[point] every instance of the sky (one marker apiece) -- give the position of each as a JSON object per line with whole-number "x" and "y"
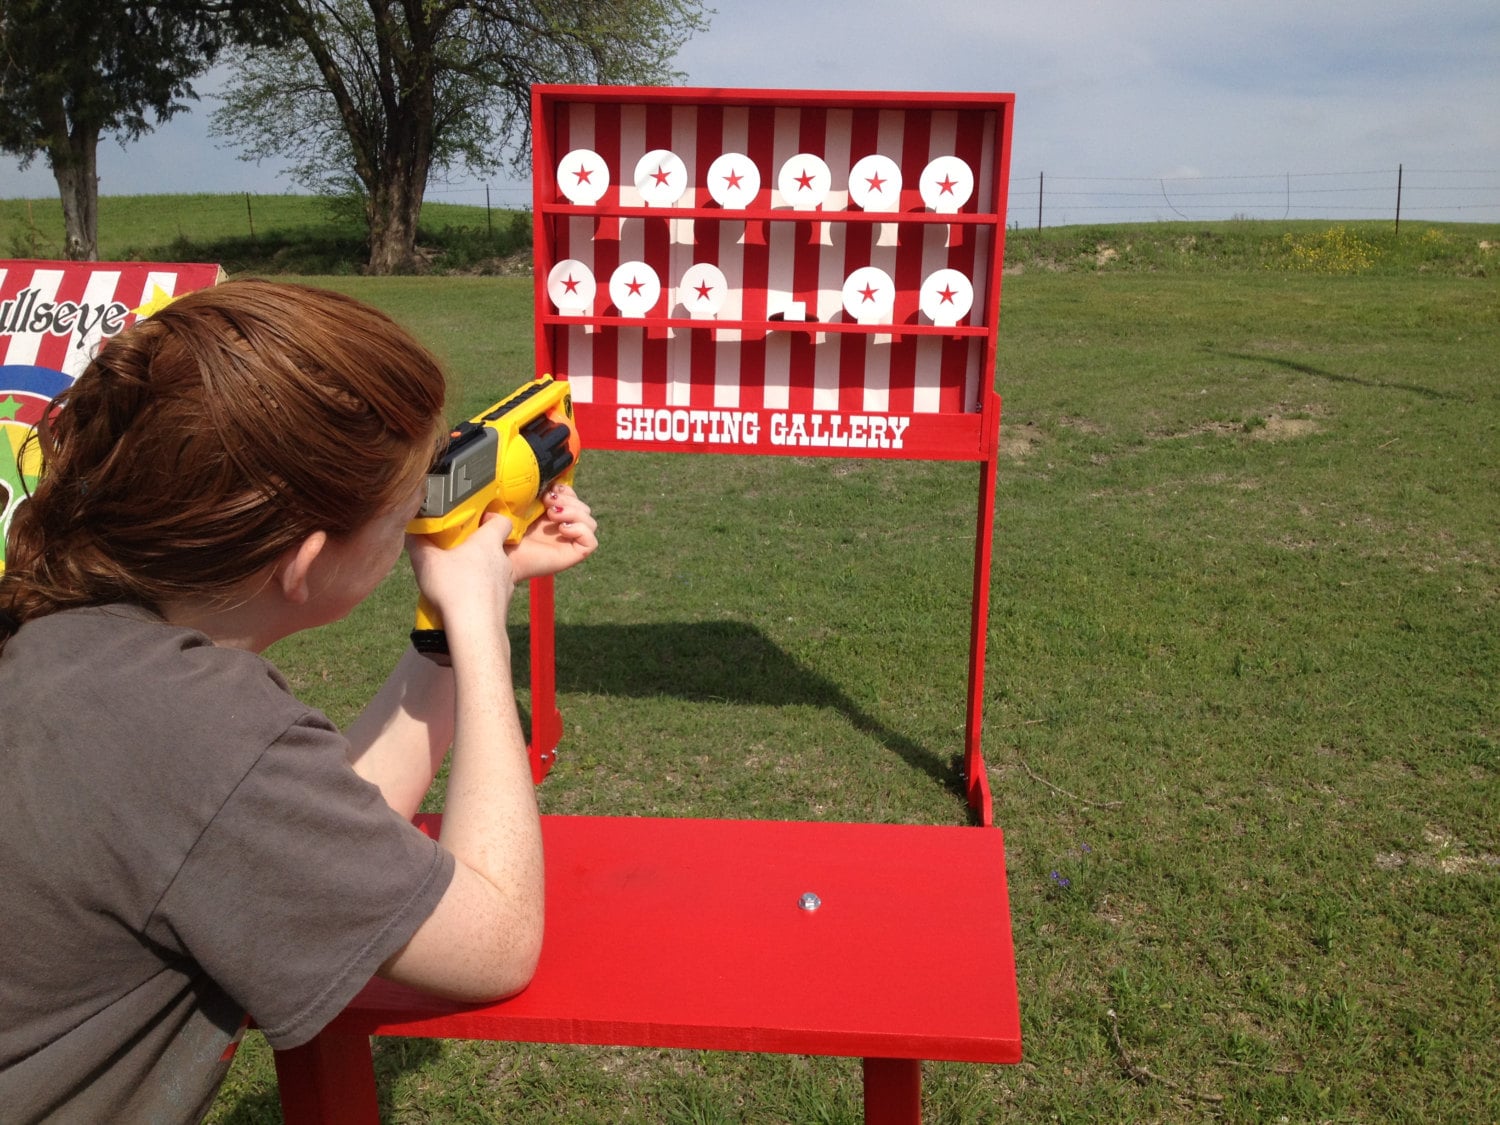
{"x": 1132, "y": 110}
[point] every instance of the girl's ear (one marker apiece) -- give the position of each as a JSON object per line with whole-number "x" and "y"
{"x": 296, "y": 565}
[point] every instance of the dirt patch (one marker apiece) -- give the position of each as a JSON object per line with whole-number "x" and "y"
{"x": 1271, "y": 427}
{"x": 1441, "y": 852}
{"x": 1082, "y": 425}
{"x": 1284, "y": 429}
{"x": 1019, "y": 442}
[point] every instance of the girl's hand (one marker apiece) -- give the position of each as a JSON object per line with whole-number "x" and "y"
{"x": 474, "y": 577}
{"x": 561, "y": 537}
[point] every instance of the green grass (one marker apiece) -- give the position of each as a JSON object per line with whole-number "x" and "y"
{"x": 311, "y": 235}
{"x": 1240, "y": 720}
{"x": 263, "y": 234}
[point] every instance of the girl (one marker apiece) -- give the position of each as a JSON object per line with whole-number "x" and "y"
{"x": 182, "y": 842}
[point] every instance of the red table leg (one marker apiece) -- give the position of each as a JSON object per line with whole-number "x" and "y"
{"x": 329, "y": 1081}
{"x": 893, "y": 1092}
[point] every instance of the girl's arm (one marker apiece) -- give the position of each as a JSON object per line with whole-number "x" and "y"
{"x": 399, "y": 740}
{"x": 484, "y": 937}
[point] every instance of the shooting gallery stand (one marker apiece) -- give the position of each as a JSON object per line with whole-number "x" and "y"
{"x": 804, "y": 273}
{"x": 700, "y": 934}
{"x": 885, "y": 942}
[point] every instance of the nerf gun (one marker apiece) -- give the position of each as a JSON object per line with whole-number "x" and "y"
{"x": 503, "y": 460}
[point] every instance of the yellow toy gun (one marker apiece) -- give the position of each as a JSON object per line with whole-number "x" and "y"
{"x": 503, "y": 460}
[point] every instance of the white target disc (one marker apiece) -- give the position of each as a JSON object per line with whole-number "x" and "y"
{"x": 583, "y": 177}
{"x": 634, "y": 288}
{"x": 946, "y": 297}
{"x": 804, "y": 181}
{"x": 660, "y": 177}
{"x": 869, "y": 295}
{"x": 571, "y": 286}
{"x": 733, "y": 181}
{"x": 703, "y": 289}
{"x": 875, "y": 184}
{"x": 946, "y": 184}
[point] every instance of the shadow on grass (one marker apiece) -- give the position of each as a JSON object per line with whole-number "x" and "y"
{"x": 392, "y": 1058}
{"x": 715, "y": 662}
{"x": 1332, "y": 376}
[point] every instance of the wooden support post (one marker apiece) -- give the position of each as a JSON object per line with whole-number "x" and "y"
{"x": 329, "y": 1081}
{"x": 893, "y": 1091}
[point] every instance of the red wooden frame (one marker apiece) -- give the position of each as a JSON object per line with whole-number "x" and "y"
{"x": 754, "y": 379}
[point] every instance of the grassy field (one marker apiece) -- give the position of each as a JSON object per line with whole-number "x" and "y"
{"x": 310, "y": 235}
{"x": 1242, "y": 722}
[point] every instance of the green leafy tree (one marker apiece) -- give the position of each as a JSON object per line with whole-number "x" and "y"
{"x": 72, "y": 71}
{"x": 372, "y": 98}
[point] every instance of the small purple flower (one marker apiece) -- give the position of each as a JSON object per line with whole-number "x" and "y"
{"x": 1061, "y": 880}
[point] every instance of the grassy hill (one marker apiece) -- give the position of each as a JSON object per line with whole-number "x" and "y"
{"x": 310, "y": 235}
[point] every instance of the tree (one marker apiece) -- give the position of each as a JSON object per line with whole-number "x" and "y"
{"x": 371, "y": 98}
{"x": 73, "y": 70}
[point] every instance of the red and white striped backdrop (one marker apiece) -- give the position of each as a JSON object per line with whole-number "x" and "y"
{"x": 770, "y": 263}
{"x": 111, "y": 291}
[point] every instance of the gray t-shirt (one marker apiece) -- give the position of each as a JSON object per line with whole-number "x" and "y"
{"x": 181, "y": 842}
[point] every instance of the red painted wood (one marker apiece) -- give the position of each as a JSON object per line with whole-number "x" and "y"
{"x": 546, "y": 719}
{"x": 893, "y": 1091}
{"x": 329, "y": 1081}
{"x": 748, "y": 384}
{"x": 688, "y": 933}
{"x": 976, "y": 774}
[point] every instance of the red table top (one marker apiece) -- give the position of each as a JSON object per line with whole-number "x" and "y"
{"x": 689, "y": 933}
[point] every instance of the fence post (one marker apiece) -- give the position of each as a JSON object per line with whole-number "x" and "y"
{"x": 1399, "y": 168}
{"x": 250, "y": 216}
{"x": 489, "y": 227}
{"x": 1040, "y": 180}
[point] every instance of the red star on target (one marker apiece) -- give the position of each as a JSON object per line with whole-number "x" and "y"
{"x": 661, "y": 176}
{"x": 583, "y": 174}
{"x": 703, "y": 289}
{"x": 875, "y": 182}
{"x": 947, "y": 184}
{"x": 947, "y": 293}
{"x": 804, "y": 181}
{"x": 571, "y": 284}
{"x": 635, "y": 287}
{"x": 868, "y": 292}
{"x": 734, "y": 179}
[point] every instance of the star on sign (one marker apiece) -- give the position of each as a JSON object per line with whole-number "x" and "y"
{"x": 635, "y": 286}
{"x": 947, "y": 293}
{"x": 661, "y": 176}
{"x": 868, "y": 292}
{"x": 875, "y": 182}
{"x": 804, "y": 181}
{"x": 583, "y": 174}
{"x": 153, "y": 304}
{"x": 703, "y": 289}
{"x": 571, "y": 284}
{"x": 734, "y": 179}
{"x": 10, "y": 406}
{"x": 947, "y": 184}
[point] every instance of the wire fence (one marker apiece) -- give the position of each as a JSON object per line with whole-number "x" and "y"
{"x": 1434, "y": 194}
{"x": 1468, "y": 195}
{"x": 1048, "y": 199}
{"x": 1044, "y": 199}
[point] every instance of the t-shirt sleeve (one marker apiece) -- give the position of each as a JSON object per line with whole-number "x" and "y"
{"x": 302, "y": 885}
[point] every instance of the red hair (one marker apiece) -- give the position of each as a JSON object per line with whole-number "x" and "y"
{"x": 206, "y": 440}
